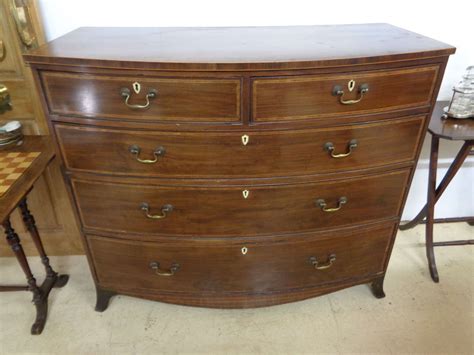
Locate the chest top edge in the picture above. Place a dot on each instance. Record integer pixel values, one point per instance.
(237, 48)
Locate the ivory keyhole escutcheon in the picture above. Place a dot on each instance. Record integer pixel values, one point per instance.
(245, 139)
(244, 250)
(351, 85)
(136, 87)
(245, 193)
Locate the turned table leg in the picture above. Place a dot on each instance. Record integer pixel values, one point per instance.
(38, 299)
(40, 294)
(54, 279)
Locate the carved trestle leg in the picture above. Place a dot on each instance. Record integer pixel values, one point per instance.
(103, 298)
(38, 299)
(377, 287)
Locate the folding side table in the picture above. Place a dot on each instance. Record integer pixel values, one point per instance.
(455, 130)
(20, 167)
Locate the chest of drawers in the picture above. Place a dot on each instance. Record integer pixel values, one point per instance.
(238, 167)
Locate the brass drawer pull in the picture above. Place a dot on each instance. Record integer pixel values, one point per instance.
(322, 204)
(126, 93)
(164, 211)
(135, 150)
(327, 265)
(329, 146)
(155, 265)
(338, 91)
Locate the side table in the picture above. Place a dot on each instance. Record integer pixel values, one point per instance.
(455, 130)
(20, 168)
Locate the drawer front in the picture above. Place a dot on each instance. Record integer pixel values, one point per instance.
(313, 97)
(175, 99)
(228, 266)
(238, 210)
(216, 155)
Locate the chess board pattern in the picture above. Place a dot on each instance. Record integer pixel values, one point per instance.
(12, 166)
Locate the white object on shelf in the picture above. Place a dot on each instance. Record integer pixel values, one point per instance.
(462, 102)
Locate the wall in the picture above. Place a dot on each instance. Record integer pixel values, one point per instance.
(450, 23)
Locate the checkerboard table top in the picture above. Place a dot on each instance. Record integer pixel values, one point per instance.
(30, 158)
(12, 166)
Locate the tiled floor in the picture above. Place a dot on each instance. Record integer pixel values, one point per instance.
(417, 316)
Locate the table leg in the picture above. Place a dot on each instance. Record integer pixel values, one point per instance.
(38, 299)
(431, 200)
(55, 279)
(450, 174)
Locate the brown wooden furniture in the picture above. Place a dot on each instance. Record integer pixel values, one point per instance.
(14, 197)
(455, 130)
(20, 30)
(238, 167)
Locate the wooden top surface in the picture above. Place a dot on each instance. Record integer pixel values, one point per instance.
(237, 48)
(22, 186)
(450, 128)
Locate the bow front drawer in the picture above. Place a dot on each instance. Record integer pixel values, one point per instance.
(215, 155)
(312, 97)
(222, 267)
(238, 210)
(132, 98)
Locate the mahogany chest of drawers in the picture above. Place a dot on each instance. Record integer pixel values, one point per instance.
(238, 167)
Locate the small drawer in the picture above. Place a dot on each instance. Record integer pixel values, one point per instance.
(215, 211)
(320, 96)
(143, 98)
(223, 155)
(237, 266)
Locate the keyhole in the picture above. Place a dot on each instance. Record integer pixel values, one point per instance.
(244, 250)
(351, 85)
(136, 87)
(245, 139)
(245, 193)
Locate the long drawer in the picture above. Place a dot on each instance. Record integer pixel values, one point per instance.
(215, 155)
(318, 96)
(238, 210)
(124, 97)
(227, 266)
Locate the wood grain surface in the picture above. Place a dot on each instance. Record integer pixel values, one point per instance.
(222, 155)
(245, 120)
(177, 99)
(219, 270)
(237, 48)
(208, 211)
(450, 128)
(311, 97)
